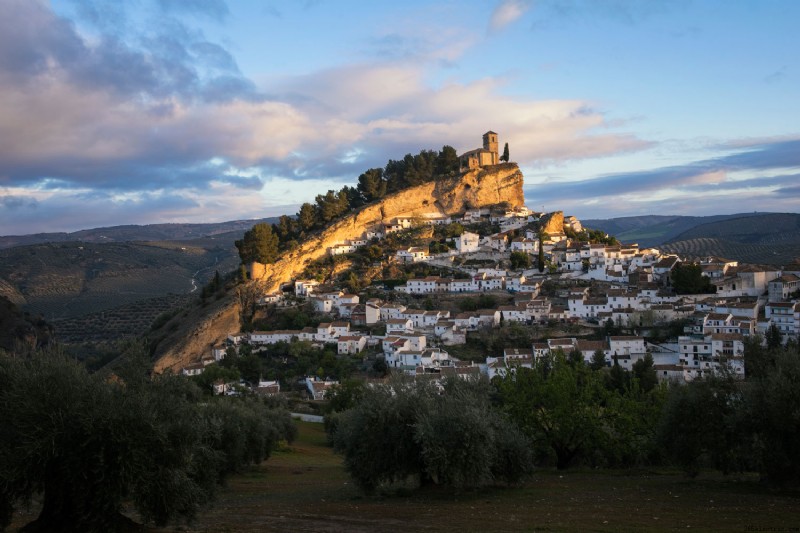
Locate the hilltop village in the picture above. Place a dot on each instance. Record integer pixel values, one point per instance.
(533, 283)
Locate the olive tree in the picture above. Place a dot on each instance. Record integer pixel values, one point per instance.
(451, 437)
(86, 442)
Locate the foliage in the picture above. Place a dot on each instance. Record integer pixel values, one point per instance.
(373, 185)
(773, 418)
(730, 425)
(593, 236)
(213, 373)
(557, 405)
(570, 413)
(505, 156)
(699, 426)
(688, 278)
(447, 161)
(407, 429)
(773, 337)
(598, 360)
(258, 244)
(520, 260)
(289, 361)
(472, 303)
(86, 443)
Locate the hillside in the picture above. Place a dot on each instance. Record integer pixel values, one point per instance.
(148, 232)
(72, 279)
(653, 230)
(772, 239)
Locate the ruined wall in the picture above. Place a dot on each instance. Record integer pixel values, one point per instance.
(499, 185)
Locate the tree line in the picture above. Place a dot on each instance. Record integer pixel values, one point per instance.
(264, 242)
(564, 412)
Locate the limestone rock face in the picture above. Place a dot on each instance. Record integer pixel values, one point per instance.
(188, 346)
(553, 222)
(498, 185)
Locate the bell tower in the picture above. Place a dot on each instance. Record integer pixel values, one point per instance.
(490, 144)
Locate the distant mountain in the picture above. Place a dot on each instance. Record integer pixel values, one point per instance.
(653, 230)
(129, 233)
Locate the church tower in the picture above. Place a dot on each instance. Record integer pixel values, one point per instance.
(490, 144)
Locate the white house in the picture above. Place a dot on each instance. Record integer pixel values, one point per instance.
(467, 242)
(412, 255)
(350, 344)
(398, 326)
(318, 388)
(305, 287)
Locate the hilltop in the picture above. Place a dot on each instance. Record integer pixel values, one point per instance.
(498, 186)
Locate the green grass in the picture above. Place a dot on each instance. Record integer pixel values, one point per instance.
(303, 487)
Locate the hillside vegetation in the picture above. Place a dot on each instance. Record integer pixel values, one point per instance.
(73, 279)
(772, 239)
(766, 238)
(653, 230)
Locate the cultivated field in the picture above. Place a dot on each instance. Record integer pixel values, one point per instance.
(303, 487)
(74, 279)
(767, 254)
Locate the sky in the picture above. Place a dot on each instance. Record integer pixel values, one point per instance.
(190, 111)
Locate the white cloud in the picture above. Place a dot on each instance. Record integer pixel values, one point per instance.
(507, 12)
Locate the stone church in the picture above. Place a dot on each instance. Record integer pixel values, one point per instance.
(481, 157)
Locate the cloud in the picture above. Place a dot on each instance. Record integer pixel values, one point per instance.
(12, 202)
(720, 183)
(92, 121)
(507, 12)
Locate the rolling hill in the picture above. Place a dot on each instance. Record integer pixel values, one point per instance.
(768, 238)
(772, 239)
(149, 232)
(72, 279)
(653, 230)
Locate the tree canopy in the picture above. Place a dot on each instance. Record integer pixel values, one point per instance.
(86, 443)
(407, 429)
(259, 244)
(688, 278)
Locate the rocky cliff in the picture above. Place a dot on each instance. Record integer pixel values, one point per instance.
(553, 223)
(498, 185)
(207, 327)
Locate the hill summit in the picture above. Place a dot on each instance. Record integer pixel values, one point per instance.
(495, 186)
